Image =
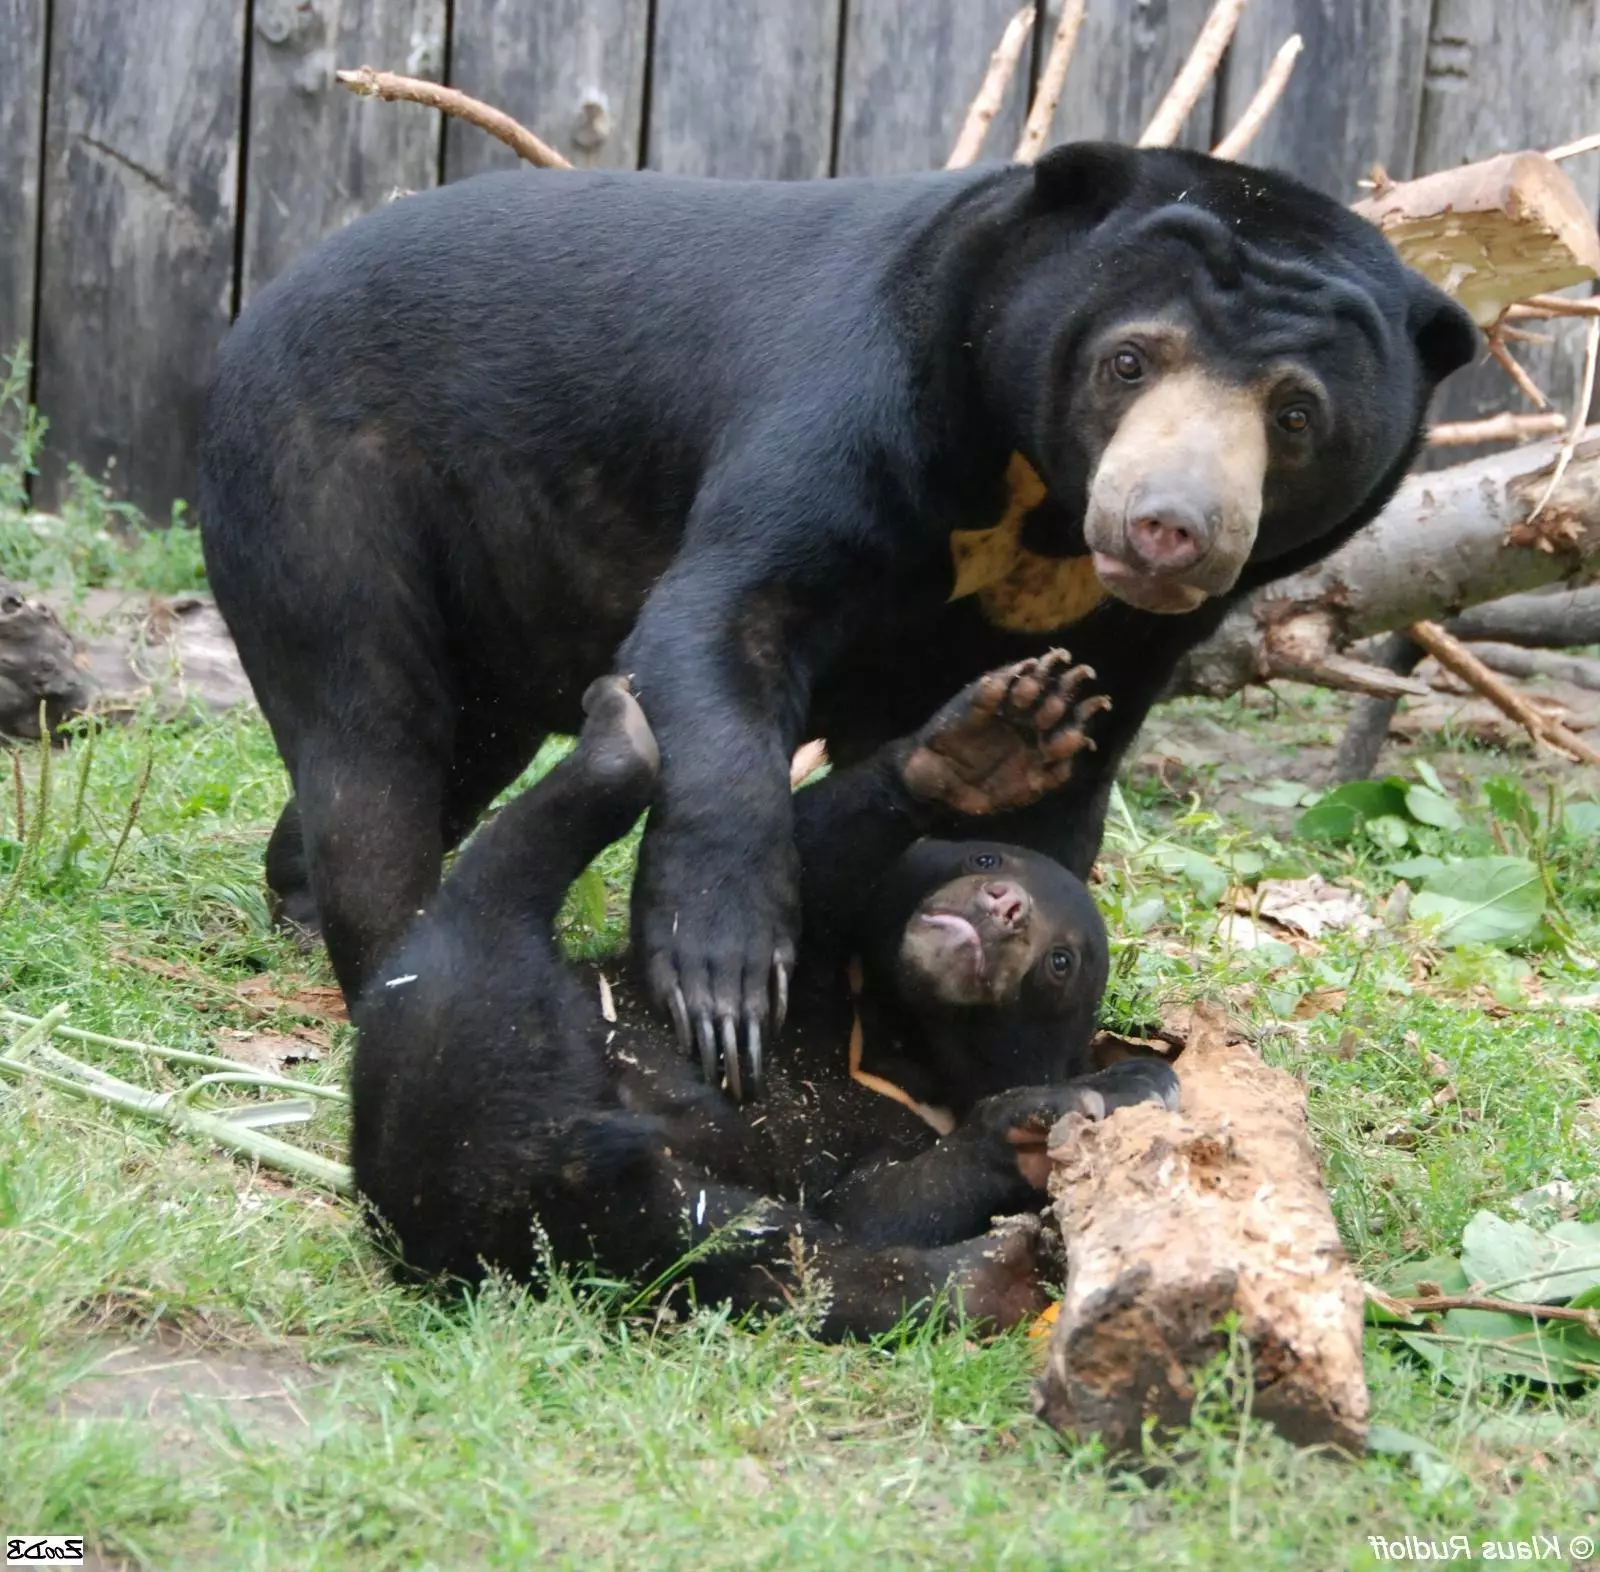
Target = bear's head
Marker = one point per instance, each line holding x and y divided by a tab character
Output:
1217	365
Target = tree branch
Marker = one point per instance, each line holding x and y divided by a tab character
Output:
992	91
1041	116
1197	70
1265	99
365	82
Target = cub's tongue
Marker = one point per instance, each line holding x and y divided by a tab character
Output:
961	937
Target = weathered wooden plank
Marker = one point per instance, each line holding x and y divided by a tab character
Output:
744	91
21	105
316	156
141	193
1500	79
1356	94
571	70
1127	55
911	68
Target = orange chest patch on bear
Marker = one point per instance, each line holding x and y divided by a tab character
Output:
1018	589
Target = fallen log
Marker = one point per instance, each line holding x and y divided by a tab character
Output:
1491	233
1551	619
1449	540
1173	1221
1512	660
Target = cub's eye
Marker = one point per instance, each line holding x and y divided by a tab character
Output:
1128	364
1061	962
1295	419
984	862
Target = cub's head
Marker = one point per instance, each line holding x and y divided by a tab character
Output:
1218	364
998	957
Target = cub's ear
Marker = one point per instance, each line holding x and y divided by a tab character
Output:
1092	177
1445	335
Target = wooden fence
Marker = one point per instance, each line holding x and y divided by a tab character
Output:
161	159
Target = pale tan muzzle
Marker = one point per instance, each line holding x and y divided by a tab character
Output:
1176	497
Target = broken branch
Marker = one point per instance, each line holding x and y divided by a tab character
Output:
1495	428
986	105
1197	70
1451	654
1265	100
1042	114
366	82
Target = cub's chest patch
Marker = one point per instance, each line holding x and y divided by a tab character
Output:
1018	589
940	1120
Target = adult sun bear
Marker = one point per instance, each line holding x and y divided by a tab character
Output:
800	457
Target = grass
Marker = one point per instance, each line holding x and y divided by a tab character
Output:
516	1429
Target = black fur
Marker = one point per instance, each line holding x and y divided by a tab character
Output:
503	436
491	1097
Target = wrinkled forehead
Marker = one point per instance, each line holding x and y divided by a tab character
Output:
1249	298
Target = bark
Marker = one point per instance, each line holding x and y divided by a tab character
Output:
1553	618
1171	1222
1450	539
1513	661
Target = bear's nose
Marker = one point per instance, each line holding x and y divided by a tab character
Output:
1168	533
1007	905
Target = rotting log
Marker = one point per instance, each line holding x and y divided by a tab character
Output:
1450	539
1173	1222
1553	618
1491	233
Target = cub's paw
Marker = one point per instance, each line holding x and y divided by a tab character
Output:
1008	739
616	744
997	1277
1121	1085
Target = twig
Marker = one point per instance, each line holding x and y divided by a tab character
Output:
1047	96
169	1108
1197	70
1580	414
366	82
1454	657
1543	307
1495	428
986	105
1427	1304
1266	98
1584	144
1513	369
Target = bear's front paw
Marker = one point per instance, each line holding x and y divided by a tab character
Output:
718	953
1008	739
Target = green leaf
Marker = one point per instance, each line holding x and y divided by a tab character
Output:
1208	878
1508	802
1144	914
1328	821
1341	812
1281	794
1430	777
588	896
1537	1265
1390	830
1432	807
1483	900
1416	867
1433	1469
1581	819
1443	1271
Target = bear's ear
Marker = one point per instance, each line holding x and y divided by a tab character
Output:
1091	177
1445	335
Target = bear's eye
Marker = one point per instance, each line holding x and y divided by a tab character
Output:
1128	364
1295	419
1061	962
984	862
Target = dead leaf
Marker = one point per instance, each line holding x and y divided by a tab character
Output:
1311	906
1319	1001
269	1051
292	996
